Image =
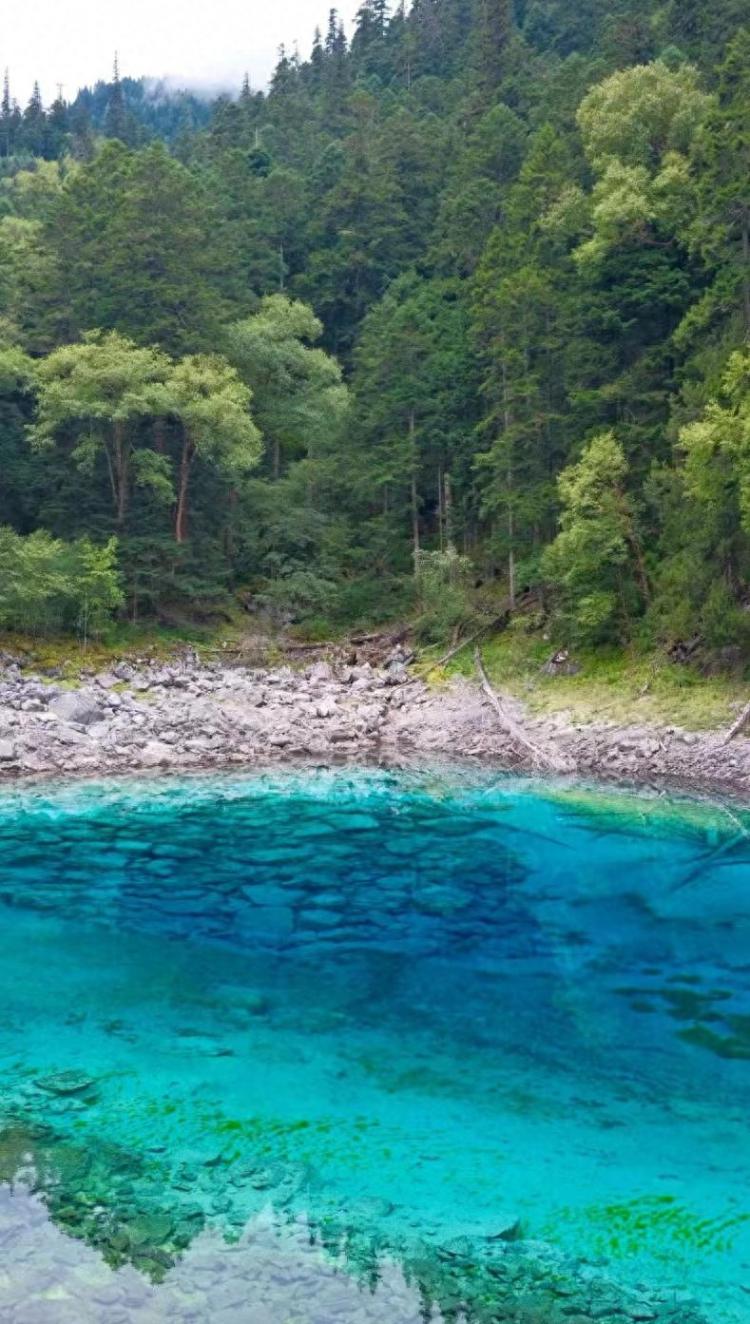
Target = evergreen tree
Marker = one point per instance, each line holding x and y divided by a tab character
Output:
7	143
117	123
139	249
722	229
493	32
34	128
58	129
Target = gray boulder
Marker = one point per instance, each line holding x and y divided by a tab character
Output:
156	755
71	737
396	673
77	708
319	672
561	664
106	680
7	751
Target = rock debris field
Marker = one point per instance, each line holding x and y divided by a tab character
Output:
192	714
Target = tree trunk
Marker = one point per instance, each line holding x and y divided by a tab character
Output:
509	484
634	542
229	530
640	567
414	497
441	508
181	512
448	509
121	473
746	270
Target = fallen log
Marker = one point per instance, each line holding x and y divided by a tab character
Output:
543	757
739	725
724	848
501	619
388	639
470	639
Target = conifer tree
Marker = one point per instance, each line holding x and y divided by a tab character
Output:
116	124
722	229
58	126
493	30
34	124
6	119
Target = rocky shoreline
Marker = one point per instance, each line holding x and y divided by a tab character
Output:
189	714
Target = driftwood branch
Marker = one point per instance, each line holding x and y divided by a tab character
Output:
546	756
470	639
698	870
501	619
739	725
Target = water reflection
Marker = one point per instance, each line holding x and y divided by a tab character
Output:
273	1274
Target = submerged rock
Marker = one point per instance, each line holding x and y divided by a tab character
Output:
65	1083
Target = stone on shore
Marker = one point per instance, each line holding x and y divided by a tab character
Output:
77	708
156	755
191	714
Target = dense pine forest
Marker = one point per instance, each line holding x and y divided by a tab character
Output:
456	312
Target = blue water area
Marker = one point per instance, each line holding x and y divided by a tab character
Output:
370	1045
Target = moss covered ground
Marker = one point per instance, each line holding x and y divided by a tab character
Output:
614	685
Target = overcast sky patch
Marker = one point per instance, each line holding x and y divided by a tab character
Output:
205	44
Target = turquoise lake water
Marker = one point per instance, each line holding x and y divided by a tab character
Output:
358	1045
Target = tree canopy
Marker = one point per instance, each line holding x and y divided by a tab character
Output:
468	286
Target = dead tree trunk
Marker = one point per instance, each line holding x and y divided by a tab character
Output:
742	721
542	757
181	513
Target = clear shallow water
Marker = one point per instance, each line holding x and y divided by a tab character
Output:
355	1046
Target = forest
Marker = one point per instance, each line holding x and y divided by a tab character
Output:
457	311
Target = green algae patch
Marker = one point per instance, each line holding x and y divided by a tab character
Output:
293	1144
129	1211
658	1225
649	815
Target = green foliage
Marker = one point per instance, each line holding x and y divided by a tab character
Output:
138	249
444	583
593	561
463	281
638	128
47	585
700	583
97	395
299	399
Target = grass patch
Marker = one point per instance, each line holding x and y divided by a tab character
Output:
71	658
613	685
